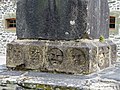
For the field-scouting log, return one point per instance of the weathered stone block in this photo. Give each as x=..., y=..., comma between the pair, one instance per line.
x=103, y=55
x=113, y=51
x=34, y=57
x=15, y=52
x=80, y=57
x=62, y=19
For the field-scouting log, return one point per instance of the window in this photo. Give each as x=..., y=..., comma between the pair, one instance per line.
x=11, y=23
x=112, y=22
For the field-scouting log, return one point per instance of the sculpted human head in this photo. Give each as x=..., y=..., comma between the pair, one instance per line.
x=55, y=56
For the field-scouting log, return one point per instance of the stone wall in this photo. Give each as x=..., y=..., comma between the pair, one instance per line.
x=114, y=6
x=5, y=37
x=7, y=10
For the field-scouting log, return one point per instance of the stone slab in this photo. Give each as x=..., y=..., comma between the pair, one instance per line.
x=103, y=80
x=62, y=20
x=43, y=81
x=11, y=73
x=74, y=57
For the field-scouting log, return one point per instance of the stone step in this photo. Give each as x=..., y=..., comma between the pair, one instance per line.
x=29, y=80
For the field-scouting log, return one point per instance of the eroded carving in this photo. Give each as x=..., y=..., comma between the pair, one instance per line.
x=17, y=55
x=9, y=52
x=55, y=56
x=78, y=57
x=103, y=57
x=35, y=55
x=101, y=60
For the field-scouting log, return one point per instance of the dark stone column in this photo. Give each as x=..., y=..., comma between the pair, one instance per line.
x=66, y=20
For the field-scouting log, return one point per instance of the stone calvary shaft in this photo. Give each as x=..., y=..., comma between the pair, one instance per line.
x=62, y=19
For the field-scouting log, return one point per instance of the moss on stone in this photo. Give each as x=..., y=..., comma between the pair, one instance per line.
x=101, y=38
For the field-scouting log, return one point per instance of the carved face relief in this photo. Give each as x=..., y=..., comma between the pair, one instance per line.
x=55, y=56
x=17, y=54
x=78, y=57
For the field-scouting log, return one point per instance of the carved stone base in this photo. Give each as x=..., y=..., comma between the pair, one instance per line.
x=76, y=57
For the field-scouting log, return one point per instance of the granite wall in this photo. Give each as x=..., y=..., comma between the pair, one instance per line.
x=7, y=10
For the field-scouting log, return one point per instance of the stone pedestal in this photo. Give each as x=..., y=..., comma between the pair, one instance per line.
x=75, y=57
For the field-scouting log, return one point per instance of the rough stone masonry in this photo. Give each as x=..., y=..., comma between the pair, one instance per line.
x=50, y=36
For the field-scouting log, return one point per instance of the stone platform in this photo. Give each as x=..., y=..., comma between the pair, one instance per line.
x=107, y=79
x=73, y=57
